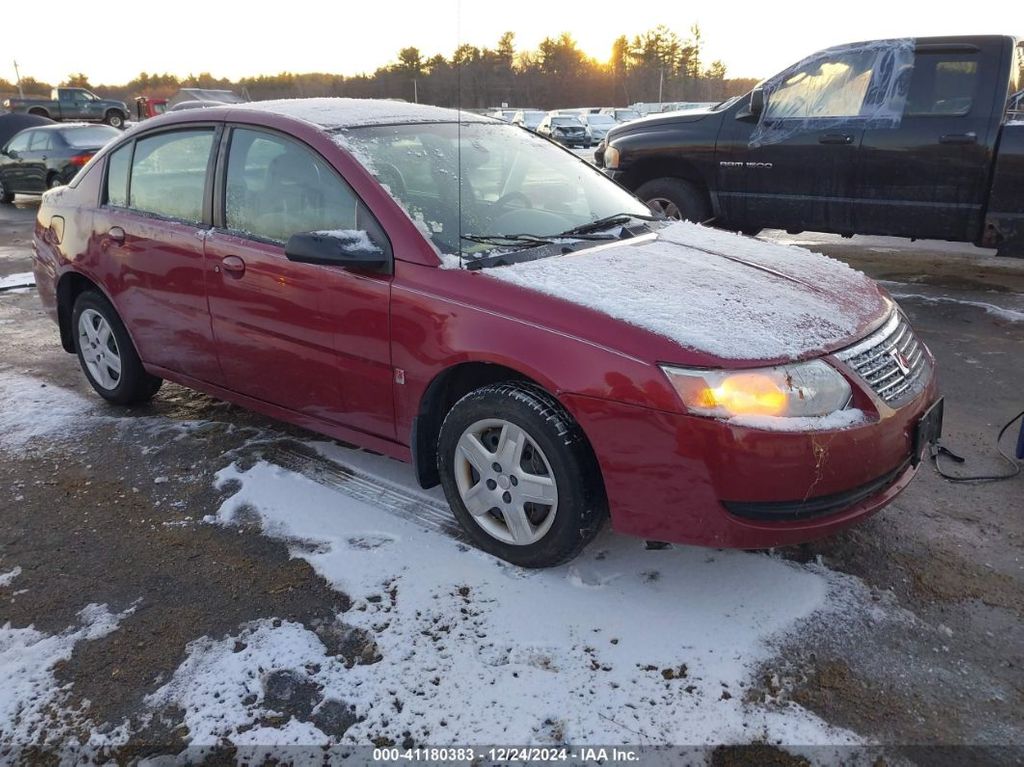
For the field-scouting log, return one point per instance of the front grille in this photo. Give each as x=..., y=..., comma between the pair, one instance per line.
x=891, y=360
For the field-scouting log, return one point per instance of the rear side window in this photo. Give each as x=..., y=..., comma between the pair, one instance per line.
x=277, y=188
x=117, y=176
x=168, y=174
x=41, y=141
x=942, y=85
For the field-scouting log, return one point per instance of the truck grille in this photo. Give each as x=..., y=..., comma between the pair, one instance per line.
x=891, y=360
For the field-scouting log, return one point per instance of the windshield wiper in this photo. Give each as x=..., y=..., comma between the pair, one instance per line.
x=528, y=240
x=607, y=221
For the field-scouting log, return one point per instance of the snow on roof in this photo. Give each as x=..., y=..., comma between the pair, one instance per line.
x=333, y=113
x=713, y=291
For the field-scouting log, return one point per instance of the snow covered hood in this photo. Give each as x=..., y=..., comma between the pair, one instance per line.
x=715, y=292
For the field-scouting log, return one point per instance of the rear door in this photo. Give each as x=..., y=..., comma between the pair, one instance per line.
x=148, y=237
x=928, y=175
x=40, y=147
x=310, y=338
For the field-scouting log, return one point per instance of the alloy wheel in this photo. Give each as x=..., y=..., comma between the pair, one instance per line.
x=99, y=349
x=665, y=207
x=506, y=481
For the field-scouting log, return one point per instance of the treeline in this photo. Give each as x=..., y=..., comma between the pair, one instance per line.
x=658, y=65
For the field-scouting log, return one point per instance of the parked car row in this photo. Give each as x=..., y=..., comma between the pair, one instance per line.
x=575, y=127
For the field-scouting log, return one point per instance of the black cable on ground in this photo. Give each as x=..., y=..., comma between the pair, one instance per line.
x=17, y=287
x=939, y=450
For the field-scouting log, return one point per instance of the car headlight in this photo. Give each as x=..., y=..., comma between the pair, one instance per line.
x=611, y=157
x=803, y=389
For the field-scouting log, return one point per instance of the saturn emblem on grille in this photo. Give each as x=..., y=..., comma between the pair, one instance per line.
x=901, y=360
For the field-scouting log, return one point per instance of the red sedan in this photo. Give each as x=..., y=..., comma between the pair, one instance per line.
x=464, y=295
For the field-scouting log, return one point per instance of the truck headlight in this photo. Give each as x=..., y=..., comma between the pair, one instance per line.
x=803, y=389
x=611, y=157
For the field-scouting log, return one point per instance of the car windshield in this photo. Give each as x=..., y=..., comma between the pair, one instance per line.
x=90, y=137
x=565, y=120
x=513, y=182
x=600, y=120
x=627, y=114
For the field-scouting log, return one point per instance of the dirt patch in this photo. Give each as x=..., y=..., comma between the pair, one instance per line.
x=110, y=535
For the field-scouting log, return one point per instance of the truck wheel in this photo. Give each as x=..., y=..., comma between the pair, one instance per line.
x=107, y=354
x=114, y=119
x=520, y=476
x=675, y=199
x=39, y=112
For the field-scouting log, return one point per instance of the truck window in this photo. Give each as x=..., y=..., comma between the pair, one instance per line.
x=826, y=87
x=942, y=84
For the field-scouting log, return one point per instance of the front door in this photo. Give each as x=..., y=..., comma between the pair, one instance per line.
x=149, y=235
x=13, y=169
x=313, y=339
x=928, y=175
x=793, y=168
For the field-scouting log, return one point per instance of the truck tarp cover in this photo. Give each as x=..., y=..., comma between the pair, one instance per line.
x=856, y=86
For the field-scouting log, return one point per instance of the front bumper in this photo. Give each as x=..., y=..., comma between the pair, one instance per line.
x=686, y=479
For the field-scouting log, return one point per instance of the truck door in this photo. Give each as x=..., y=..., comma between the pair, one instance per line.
x=927, y=176
x=793, y=168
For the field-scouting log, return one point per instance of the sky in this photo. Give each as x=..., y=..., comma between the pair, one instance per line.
x=115, y=40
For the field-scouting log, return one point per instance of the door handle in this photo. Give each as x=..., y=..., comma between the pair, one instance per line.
x=233, y=265
x=116, y=234
x=959, y=138
x=835, y=138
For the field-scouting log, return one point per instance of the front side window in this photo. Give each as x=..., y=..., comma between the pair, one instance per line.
x=168, y=174
x=942, y=85
x=20, y=142
x=277, y=188
x=832, y=87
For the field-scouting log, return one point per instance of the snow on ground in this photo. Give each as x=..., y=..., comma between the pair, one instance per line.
x=704, y=289
x=30, y=700
x=23, y=279
x=1002, y=312
x=621, y=645
x=6, y=579
x=34, y=410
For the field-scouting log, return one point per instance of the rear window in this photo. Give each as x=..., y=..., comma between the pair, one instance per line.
x=168, y=175
x=942, y=84
x=92, y=137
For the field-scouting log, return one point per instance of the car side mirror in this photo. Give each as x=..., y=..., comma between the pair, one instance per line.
x=11, y=153
x=755, y=106
x=349, y=248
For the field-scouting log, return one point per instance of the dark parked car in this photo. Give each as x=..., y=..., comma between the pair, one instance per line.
x=77, y=104
x=913, y=137
x=565, y=129
x=542, y=348
x=37, y=159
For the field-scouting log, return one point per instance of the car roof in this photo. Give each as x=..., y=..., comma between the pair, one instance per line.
x=334, y=113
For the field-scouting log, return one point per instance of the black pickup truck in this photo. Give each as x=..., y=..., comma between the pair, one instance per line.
x=77, y=104
x=913, y=137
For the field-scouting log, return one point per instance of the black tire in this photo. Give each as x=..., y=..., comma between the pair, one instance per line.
x=134, y=385
x=6, y=197
x=581, y=506
x=662, y=194
x=39, y=113
x=54, y=180
x=114, y=118
x=1016, y=250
